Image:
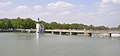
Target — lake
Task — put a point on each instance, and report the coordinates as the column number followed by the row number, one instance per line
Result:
column 32, row 44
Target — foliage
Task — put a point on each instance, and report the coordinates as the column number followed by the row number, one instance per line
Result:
column 17, row 23
column 118, row 27
column 5, row 23
column 28, row 23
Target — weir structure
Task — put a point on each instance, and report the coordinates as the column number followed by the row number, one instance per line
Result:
column 85, row 32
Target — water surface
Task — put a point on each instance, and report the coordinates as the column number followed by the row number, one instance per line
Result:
column 32, row 44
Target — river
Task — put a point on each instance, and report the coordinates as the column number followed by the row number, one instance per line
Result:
column 32, row 44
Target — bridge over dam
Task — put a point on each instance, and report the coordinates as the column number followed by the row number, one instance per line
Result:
column 109, row 33
column 85, row 32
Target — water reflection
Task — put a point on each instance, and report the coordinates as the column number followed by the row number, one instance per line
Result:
column 37, row 38
column 113, row 38
column 21, row 36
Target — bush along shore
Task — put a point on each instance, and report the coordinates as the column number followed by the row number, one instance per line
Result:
column 12, row 25
column 18, row 30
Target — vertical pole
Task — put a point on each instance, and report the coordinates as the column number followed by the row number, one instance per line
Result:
column 60, row 33
column 90, row 34
column 110, row 34
column 70, row 33
column 52, row 32
column 85, row 33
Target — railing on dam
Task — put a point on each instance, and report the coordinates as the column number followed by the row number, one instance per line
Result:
column 88, row 32
column 68, row 32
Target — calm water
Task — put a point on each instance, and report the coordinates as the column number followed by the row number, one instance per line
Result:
column 32, row 44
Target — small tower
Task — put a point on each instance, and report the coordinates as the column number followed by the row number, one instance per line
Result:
column 39, row 27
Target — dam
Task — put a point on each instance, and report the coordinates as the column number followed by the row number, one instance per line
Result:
column 85, row 32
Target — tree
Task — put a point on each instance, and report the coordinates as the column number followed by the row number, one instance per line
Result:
column 5, row 23
column 55, row 25
column 101, row 28
column 65, row 26
column 18, row 23
column 28, row 23
column 74, row 26
column 118, row 27
column 91, row 27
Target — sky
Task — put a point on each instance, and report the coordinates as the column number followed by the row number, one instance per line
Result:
column 95, row 12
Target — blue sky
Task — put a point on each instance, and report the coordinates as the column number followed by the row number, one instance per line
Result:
column 96, row 12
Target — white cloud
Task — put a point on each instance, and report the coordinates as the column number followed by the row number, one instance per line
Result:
column 4, row 4
column 66, row 12
column 108, row 12
column 20, row 9
column 38, row 8
column 60, row 5
column 82, row 6
column 116, row 1
column 1, row 11
column 111, row 1
column 44, row 14
column 109, row 6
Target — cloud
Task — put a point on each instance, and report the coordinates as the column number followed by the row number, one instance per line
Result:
column 107, row 13
column 1, row 11
column 111, row 1
column 4, row 4
column 66, row 12
column 38, row 8
column 63, row 12
column 109, row 6
column 116, row 1
column 20, row 10
column 60, row 5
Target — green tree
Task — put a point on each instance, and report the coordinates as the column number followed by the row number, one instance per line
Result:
column 28, row 23
column 5, row 23
column 65, row 26
column 55, row 25
column 101, row 28
column 118, row 27
column 74, row 26
column 18, row 23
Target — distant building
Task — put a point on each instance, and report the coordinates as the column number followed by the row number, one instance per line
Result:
column 39, row 27
column 42, row 28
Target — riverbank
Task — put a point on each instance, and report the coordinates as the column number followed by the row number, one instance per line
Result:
column 18, row 30
column 90, row 33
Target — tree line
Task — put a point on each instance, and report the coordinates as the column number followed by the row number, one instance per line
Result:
column 28, row 23
column 17, row 23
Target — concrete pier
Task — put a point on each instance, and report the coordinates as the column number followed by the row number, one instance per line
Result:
column 110, row 33
column 85, row 32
